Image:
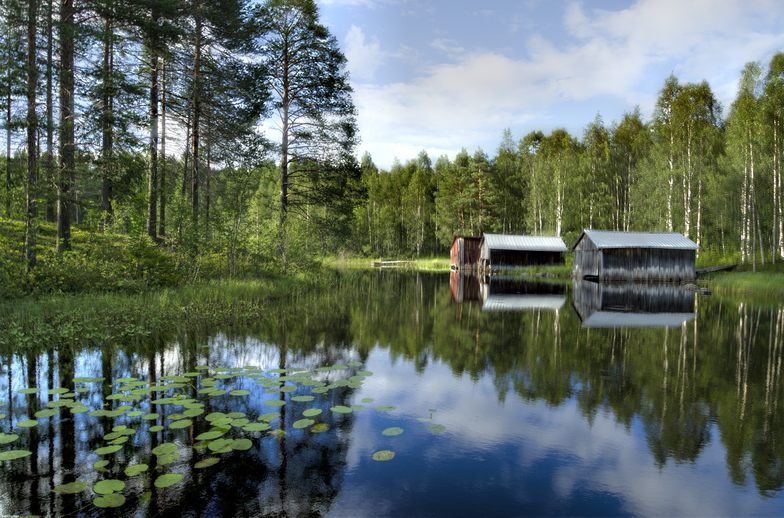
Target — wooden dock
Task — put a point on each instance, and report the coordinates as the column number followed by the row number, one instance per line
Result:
column 723, row 267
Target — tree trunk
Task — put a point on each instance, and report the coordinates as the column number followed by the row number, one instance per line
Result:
column 32, row 129
column 162, row 204
column 67, row 169
column 50, row 169
column 107, row 123
column 196, row 114
column 152, row 177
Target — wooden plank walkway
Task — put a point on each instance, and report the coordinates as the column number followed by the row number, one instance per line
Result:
column 721, row 268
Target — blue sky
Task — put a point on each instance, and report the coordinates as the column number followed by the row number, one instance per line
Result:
column 441, row 75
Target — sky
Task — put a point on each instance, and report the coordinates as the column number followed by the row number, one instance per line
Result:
column 442, row 75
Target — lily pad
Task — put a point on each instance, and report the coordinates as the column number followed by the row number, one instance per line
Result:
column 384, row 408
column 150, row 417
column 356, row 407
column 106, row 450
column 423, row 419
column 256, row 427
column 183, row 423
column 310, row 412
column 101, row 464
column 241, row 444
column 303, row 398
column 239, row 393
column 235, row 415
column 5, row 439
column 167, row 480
column 132, row 471
column 202, row 367
column 320, row 390
column 221, row 445
column 71, row 488
column 392, row 431
column 156, row 428
column 288, row 388
column 340, row 409
column 364, row 373
column 367, row 400
column 104, row 487
column 239, row 422
column 209, row 436
column 206, row 463
column 110, row 500
column 167, row 447
column 79, row 409
column 58, row 391
column 274, row 402
column 216, row 393
column 87, row 380
column 135, row 413
column 339, row 367
column 27, row 424
column 437, row 428
column 303, row 423
column 46, row 413
column 384, row 455
column 278, row 433
column 320, row 428
column 354, row 364
column 30, row 391
column 125, row 380
column 14, row 454
column 167, row 458
column 269, row 416
column 214, row 416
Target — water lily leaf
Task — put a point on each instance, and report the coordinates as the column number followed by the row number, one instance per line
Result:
column 104, row 487
column 108, row 449
column 216, row 393
column 356, row 407
column 288, row 388
column 342, row 383
column 71, row 488
column 193, row 412
column 274, row 402
column 167, row 458
column 437, row 428
column 239, row 393
column 183, row 423
column 364, row 373
column 206, row 463
column 82, row 390
column 384, row 408
column 273, row 390
column 278, row 433
column 303, row 423
column 141, row 391
column 384, row 455
column 340, row 409
column 46, row 413
column 392, row 431
column 239, row 422
column 310, row 412
column 191, row 406
column 164, row 401
column 320, row 390
column 87, row 380
column 125, row 380
column 320, row 428
column 79, row 409
column 30, row 391
column 310, row 383
column 2, row 416
column 278, row 371
column 110, row 500
column 202, row 367
column 136, row 413
column 423, row 419
column 192, row 374
column 241, row 444
column 367, row 400
column 214, row 416
column 101, row 464
column 323, row 369
column 27, row 424
column 357, row 379
column 208, row 383
column 156, row 428
column 8, row 438
column 338, row 367
column 167, row 480
column 112, row 436
column 208, row 436
column 221, row 445
column 235, row 415
column 256, row 427
column 60, row 403
column 354, row 364
column 167, row 447
column 269, row 416
column 58, row 391
column 207, row 390
column 150, row 417
column 303, row 398
column 99, row 413
column 132, row 471
column 14, row 454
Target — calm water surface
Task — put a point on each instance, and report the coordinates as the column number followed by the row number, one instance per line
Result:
column 553, row 399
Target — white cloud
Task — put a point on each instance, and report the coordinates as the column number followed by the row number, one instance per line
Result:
column 363, row 59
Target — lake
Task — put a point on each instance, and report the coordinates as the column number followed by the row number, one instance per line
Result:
column 414, row 394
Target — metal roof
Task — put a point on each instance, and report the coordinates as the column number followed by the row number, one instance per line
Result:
column 497, row 302
column 613, row 319
column 533, row 243
column 615, row 239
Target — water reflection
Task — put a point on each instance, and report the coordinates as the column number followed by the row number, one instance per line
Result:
column 514, row 293
column 631, row 305
column 543, row 416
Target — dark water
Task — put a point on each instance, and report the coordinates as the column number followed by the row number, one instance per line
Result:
column 564, row 400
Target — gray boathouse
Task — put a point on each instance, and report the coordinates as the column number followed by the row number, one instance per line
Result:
column 503, row 252
column 608, row 255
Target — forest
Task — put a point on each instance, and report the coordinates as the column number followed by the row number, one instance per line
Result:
column 149, row 143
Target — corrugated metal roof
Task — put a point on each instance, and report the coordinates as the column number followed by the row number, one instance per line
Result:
column 615, row 239
column 612, row 319
column 523, row 302
column 534, row 243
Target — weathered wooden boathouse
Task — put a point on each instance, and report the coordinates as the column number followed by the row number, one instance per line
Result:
column 608, row 255
column 631, row 304
column 502, row 252
column 464, row 287
column 513, row 293
column 465, row 252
